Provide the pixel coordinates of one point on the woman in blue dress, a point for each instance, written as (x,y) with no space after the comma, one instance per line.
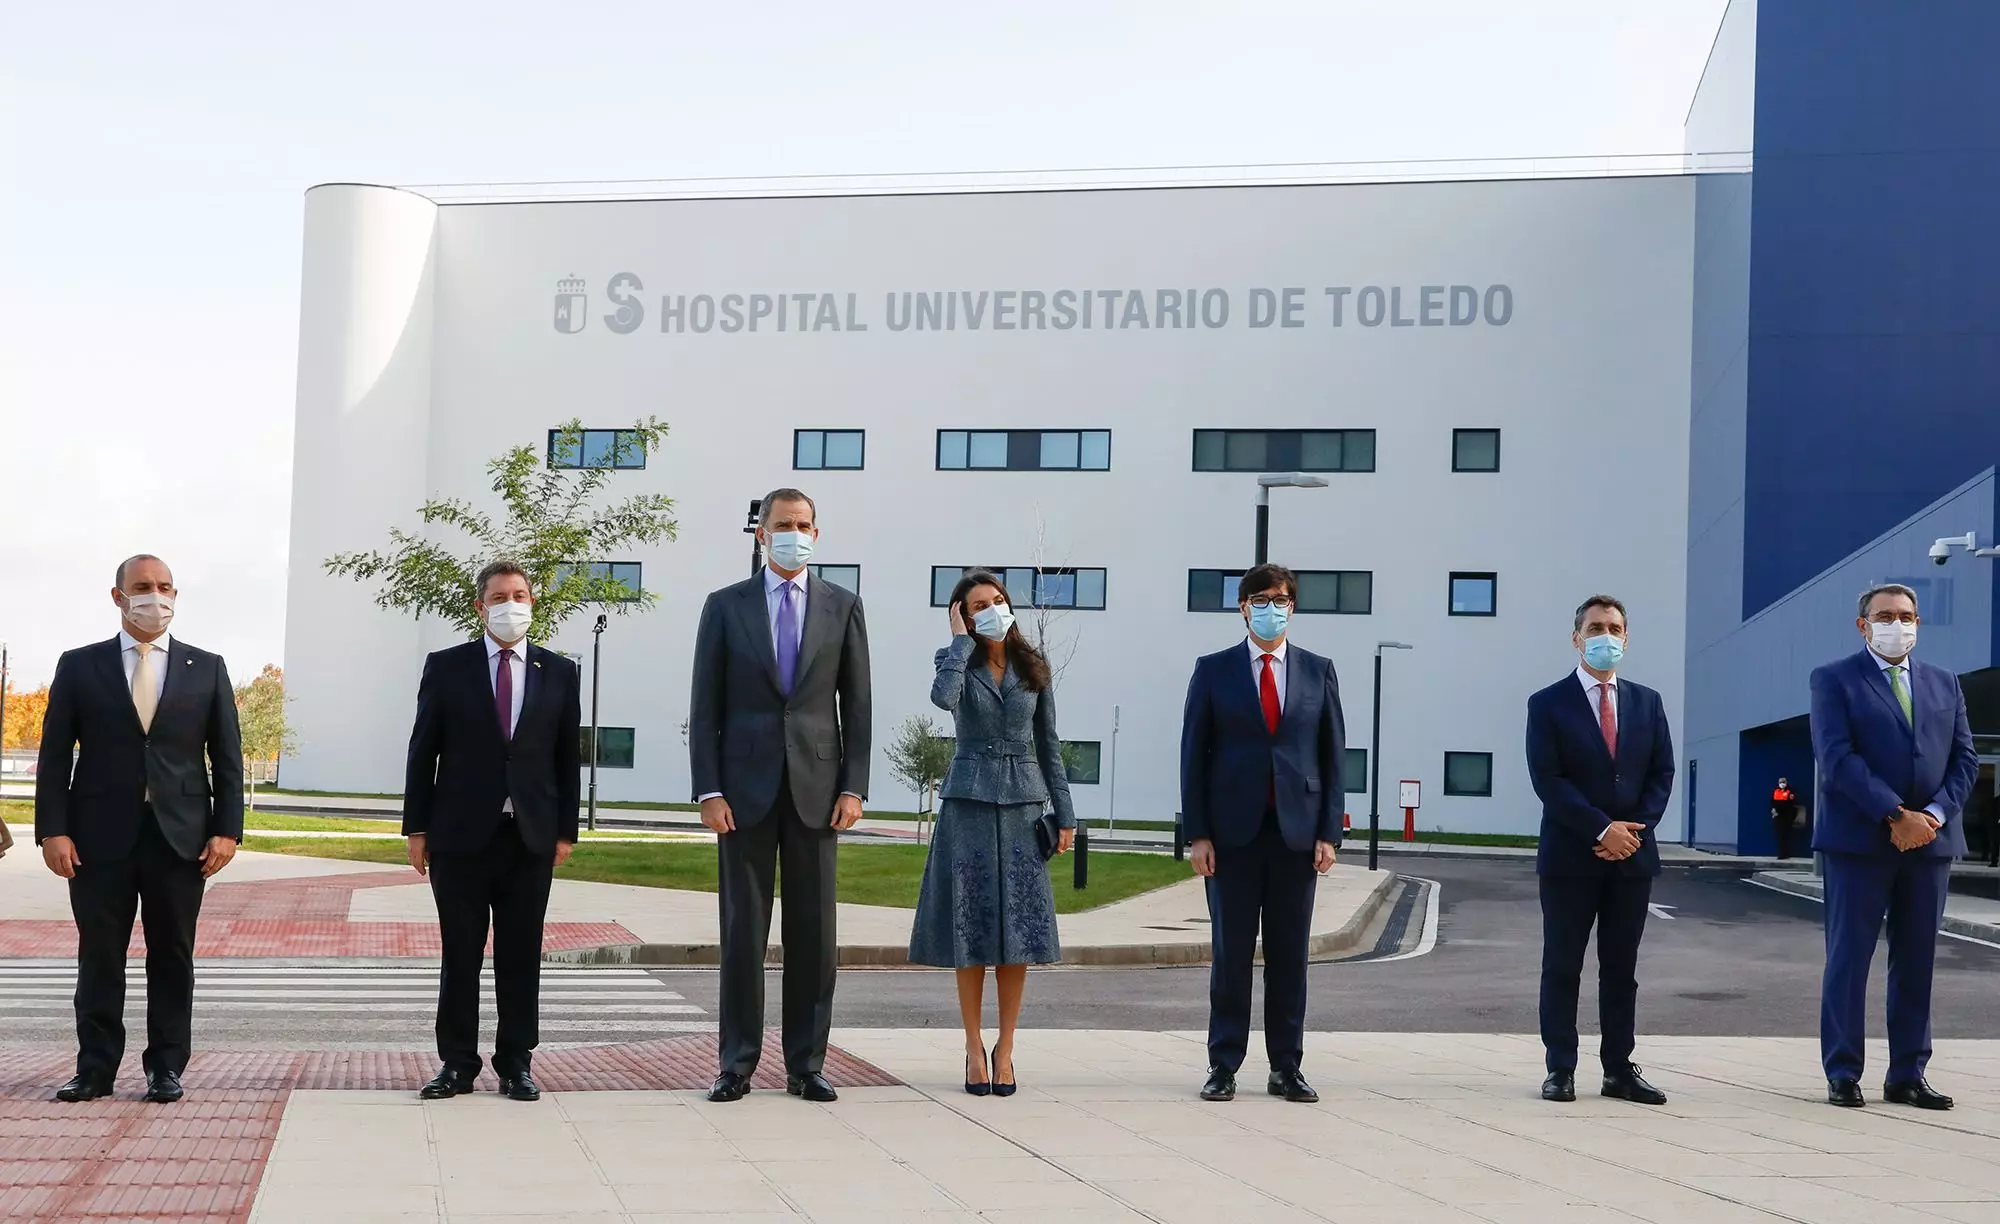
(986,898)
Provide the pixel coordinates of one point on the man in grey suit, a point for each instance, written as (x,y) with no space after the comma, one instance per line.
(778,743)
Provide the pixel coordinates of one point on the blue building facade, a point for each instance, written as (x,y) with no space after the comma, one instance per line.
(1845,409)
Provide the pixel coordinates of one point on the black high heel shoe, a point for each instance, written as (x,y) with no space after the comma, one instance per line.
(979,1089)
(1000,1089)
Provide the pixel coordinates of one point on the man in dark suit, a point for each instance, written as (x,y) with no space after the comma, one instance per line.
(1896,766)
(1262,742)
(153,808)
(489,807)
(1602,761)
(778,744)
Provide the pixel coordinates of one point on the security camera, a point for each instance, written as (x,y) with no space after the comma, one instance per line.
(1940,553)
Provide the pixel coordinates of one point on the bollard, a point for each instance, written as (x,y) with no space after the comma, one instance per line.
(1178,846)
(1081,849)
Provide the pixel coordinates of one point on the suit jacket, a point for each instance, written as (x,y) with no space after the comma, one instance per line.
(191,760)
(1007,751)
(462,770)
(1583,789)
(1872,760)
(1231,763)
(745,732)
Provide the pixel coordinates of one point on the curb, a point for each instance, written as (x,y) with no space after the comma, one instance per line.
(1812,889)
(891,956)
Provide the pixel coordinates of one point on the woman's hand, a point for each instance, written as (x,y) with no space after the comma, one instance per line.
(1065,840)
(957,621)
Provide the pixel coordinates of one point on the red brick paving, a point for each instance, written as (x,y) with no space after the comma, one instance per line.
(200,1160)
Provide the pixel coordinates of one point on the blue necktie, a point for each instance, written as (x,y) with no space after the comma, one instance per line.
(788,637)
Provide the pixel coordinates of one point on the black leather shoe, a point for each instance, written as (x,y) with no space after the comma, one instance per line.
(1915,1092)
(85,1088)
(1845,1093)
(1221,1085)
(1560,1086)
(1629,1085)
(163,1087)
(812,1087)
(728,1087)
(1293,1087)
(520,1087)
(448,1083)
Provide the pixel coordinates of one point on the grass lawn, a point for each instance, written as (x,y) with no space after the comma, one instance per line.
(290,822)
(869,875)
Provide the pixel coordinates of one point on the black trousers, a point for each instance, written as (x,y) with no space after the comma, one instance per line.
(1265,882)
(505,886)
(749,863)
(1616,904)
(163,889)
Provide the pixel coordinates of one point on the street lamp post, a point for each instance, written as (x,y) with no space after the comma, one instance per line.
(596,671)
(750,529)
(1375,754)
(1277,480)
(3,706)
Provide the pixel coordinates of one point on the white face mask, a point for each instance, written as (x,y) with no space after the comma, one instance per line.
(508,622)
(993,621)
(1892,640)
(150,613)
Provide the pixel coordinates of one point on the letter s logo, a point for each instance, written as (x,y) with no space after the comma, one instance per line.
(631,311)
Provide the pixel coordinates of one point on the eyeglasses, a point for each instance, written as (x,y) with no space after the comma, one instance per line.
(1280,602)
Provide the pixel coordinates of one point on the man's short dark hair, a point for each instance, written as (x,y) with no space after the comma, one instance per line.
(1267,577)
(1869,596)
(1600,601)
(131,561)
(775,496)
(500,569)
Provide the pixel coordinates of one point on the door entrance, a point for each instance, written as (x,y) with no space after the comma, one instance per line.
(1982,826)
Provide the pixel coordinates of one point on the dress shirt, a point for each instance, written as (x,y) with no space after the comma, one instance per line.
(1277,654)
(1590,686)
(517,669)
(130,655)
(1936,812)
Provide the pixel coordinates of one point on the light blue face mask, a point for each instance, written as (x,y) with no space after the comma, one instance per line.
(1267,624)
(992,622)
(790,550)
(1603,652)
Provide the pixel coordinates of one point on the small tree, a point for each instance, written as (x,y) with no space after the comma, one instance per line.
(24,715)
(1043,619)
(260,712)
(551,526)
(920,756)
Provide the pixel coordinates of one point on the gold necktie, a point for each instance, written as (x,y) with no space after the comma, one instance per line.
(145,693)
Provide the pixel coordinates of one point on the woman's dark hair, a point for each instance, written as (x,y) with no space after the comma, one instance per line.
(1026,660)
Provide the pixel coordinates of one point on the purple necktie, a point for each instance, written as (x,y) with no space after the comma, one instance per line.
(788,637)
(503,694)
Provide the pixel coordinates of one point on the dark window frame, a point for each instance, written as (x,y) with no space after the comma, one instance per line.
(1096,777)
(959,571)
(1456,434)
(1451,590)
(1224,575)
(604,741)
(1470,794)
(583,446)
(1296,443)
(638,587)
(815,567)
(824,466)
(1354,786)
(1014,442)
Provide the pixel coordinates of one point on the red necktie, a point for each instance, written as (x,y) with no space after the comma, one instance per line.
(503,694)
(1606,721)
(1267,689)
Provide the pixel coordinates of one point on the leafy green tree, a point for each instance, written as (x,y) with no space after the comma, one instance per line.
(260,713)
(551,525)
(920,756)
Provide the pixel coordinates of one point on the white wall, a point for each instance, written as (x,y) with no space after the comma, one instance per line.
(1588,380)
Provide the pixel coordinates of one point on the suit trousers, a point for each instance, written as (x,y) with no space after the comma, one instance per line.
(164,891)
(1860,891)
(1571,905)
(749,860)
(1264,882)
(506,886)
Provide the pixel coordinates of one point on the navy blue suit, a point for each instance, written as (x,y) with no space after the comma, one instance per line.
(1263,799)
(1583,789)
(1873,761)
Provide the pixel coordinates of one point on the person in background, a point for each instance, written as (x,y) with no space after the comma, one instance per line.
(1784,814)
(6,838)
(1262,741)
(986,898)
(1896,766)
(1602,762)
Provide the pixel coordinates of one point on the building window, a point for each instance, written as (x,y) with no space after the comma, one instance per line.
(1468,773)
(846,577)
(615,744)
(626,574)
(1040,588)
(1284,450)
(1347,592)
(1024,450)
(622,449)
(1474,594)
(829,450)
(1083,760)
(1354,771)
(1475,450)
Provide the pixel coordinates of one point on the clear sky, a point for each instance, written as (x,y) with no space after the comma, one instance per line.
(153,159)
